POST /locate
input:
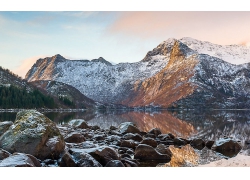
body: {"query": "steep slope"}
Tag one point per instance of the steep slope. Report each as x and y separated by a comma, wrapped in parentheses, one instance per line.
(97, 79)
(176, 73)
(58, 89)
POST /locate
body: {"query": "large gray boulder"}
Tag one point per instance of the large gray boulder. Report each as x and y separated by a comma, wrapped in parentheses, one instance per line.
(20, 160)
(4, 126)
(35, 134)
(78, 123)
(128, 127)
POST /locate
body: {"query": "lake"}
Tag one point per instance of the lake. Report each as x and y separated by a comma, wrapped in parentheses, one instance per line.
(208, 125)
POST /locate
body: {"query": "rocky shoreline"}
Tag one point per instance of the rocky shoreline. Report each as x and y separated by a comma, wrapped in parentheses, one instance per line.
(33, 140)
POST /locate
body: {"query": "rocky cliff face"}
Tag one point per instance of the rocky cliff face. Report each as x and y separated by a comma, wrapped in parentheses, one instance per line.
(176, 73)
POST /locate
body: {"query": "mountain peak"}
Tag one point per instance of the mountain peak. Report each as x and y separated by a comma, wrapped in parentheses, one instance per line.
(102, 60)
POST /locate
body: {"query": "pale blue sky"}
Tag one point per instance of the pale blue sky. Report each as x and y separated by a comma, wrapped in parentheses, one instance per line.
(115, 36)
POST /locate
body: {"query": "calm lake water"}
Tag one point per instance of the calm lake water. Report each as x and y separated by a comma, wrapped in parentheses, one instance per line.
(210, 125)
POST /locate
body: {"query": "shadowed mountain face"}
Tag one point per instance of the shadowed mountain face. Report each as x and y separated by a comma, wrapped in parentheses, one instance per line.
(58, 89)
(177, 73)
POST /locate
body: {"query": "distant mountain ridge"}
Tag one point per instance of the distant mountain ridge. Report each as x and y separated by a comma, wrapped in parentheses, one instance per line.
(184, 73)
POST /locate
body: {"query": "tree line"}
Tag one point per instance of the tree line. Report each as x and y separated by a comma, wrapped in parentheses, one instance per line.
(13, 97)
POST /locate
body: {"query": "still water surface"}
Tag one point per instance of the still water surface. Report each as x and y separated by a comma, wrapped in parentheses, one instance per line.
(210, 125)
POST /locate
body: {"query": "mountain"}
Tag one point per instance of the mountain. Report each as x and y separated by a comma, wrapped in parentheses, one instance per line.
(59, 89)
(16, 92)
(184, 73)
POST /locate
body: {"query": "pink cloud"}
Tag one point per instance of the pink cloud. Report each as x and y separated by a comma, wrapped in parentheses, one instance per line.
(216, 27)
(26, 65)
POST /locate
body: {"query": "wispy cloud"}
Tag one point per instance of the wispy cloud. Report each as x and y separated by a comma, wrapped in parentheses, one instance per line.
(26, 64)
(217, 27)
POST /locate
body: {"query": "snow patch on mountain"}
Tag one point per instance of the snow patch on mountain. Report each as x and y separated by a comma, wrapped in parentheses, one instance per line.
(234, 54)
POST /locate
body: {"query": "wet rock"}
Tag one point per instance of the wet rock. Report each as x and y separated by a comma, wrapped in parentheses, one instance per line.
(149, 141)
(135, 137)
(129, 162)
(68, 160)
(74, 137)
(83, 159)
(95, 127)
(121, 152)
(167, 142)
(114, 163)
(129, 144)
(197, 144)
(99, 137)
(88, 144)
(163, 150)
(112, 128)
(113, 132)
(128, 127)
(146, 152)
(209, 144)
(150, 135)
(35, 134)
(20, 160)
(4, 126)
(4, 154)
(179, 142)
(143, 133)
(226, 144)
(102, 154)
(164, 137)
(125, 155)
(155, 131)
(114, 138)
(130, 151)
(78, 123)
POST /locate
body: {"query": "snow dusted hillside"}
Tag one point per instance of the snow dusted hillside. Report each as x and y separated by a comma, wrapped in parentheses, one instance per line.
(234, 54)
(184, 72)
(97, 79)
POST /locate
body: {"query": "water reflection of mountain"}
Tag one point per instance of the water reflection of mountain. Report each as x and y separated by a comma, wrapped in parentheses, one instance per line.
(216, 124)
(146, 121)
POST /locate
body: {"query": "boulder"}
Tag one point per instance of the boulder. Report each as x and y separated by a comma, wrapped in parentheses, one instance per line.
(209, 144)
(164, 137)
(20, 160)
(114, 163)
(164, 150)
(74, 137)
(78, 123)
(179, 142)
(102, 154)
(150, 135)
(129, 143)
(4, 154)
(197, 144)
(135, 137)
(95, 127)
(155, 131)
(146, 152)
(129, 162)
(226, 144)
(67, 160)
(112, 128)
(4, 126)
(83, 159)
(149, 141)
(35, 134)
(128, 127)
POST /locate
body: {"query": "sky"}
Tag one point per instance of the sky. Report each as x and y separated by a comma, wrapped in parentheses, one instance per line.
(117, 36)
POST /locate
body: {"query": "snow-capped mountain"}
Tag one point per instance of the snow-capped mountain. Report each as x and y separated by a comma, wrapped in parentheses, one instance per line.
(183, 73)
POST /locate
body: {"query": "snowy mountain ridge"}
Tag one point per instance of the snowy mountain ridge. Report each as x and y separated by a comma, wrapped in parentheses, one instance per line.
(185, 70)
